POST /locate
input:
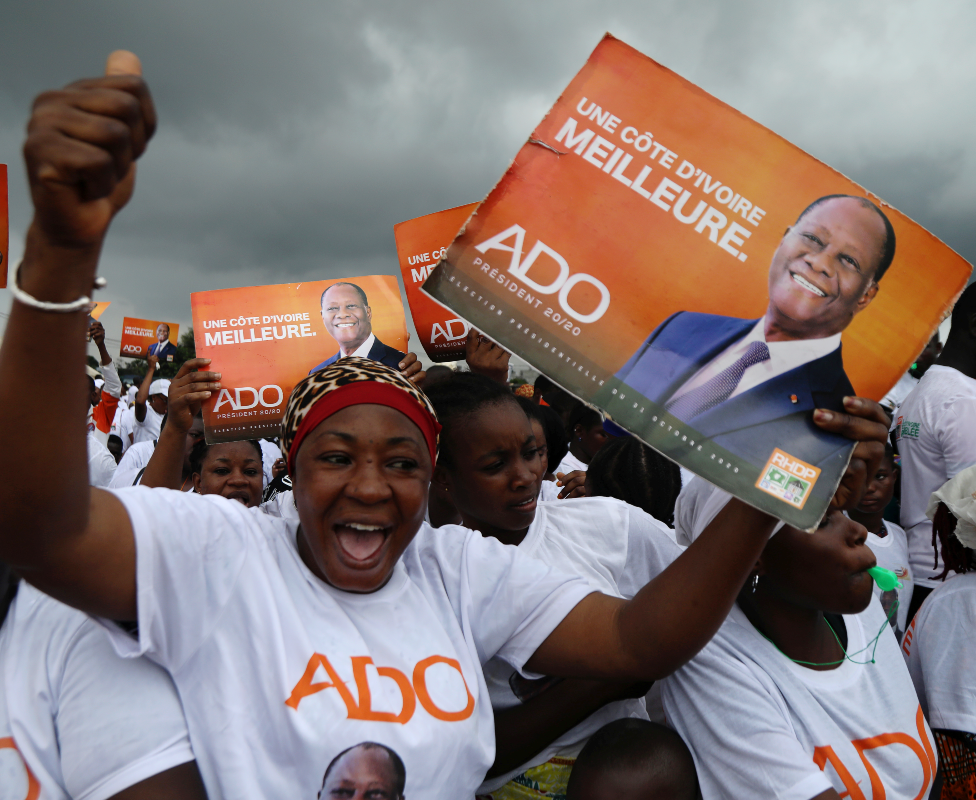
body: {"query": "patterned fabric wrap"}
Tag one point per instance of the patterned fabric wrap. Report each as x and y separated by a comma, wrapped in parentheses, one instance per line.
(345, 371)
(957, 757)
(546, 781)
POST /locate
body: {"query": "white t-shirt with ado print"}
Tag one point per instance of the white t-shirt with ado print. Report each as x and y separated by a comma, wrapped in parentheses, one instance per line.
(891, 552)
(77, 721)
(618, 549)
(759, 725)
(279, 672)
(940, 648)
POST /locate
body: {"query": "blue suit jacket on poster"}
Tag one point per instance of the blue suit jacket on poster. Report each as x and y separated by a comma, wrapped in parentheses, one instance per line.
(163, 353)
(378, 352)
(750, 424)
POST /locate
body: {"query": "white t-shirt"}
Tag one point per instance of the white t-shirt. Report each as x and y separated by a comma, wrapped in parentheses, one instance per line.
(124, 425)
(891, 552)
(936, 432)
(281, 505)
(77, 721)
(270, 452)
(899, 391)
(148, 429)
(940, 649)
(101, 463)
(548, 491)
(570, 463)
(759, 725)
(290, 671)
(618, 549)
(135, 459)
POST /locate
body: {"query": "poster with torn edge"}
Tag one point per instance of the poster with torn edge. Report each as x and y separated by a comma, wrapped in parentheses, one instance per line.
(697, 277)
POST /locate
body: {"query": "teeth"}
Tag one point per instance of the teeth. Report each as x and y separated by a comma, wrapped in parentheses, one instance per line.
(807, 285)
(358, 527)
(345, 324)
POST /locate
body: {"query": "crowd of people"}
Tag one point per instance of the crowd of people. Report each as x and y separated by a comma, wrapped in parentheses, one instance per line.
(440, 584)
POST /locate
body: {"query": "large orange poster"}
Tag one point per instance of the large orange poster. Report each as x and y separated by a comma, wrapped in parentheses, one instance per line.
(264, 339)
(142, 338)
(695, 276)
(421, 243)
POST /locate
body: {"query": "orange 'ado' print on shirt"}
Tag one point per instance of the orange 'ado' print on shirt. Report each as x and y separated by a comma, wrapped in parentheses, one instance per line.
(825, 754)
(411, 691)
(33, 787)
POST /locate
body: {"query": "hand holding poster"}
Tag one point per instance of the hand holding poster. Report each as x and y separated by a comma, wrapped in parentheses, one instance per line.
(421, 243)
(264, 339)
(142, 338)
(688, 271)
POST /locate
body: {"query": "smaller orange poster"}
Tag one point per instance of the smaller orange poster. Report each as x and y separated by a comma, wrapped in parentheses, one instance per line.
(97, 309)
(264, 339)
(4, 227)
(421, 243)
(142, 338)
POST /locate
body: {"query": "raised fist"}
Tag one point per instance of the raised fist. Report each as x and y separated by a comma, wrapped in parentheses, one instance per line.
(82, 143)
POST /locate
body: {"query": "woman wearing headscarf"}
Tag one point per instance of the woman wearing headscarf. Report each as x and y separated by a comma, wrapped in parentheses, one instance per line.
(289, 640)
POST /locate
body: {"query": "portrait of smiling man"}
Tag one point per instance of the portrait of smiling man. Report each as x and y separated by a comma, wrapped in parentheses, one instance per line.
(163, 348)
(751, 385)
(349, 320)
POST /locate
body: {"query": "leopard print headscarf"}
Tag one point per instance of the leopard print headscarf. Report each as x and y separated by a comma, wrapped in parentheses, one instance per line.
(349, 370)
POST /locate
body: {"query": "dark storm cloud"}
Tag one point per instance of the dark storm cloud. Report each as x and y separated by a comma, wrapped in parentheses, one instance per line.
(294, 135)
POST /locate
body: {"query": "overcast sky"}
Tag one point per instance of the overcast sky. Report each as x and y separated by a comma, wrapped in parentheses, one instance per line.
(293, 135)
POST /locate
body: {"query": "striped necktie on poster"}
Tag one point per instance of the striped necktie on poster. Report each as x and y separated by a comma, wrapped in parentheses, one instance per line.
(718, 389)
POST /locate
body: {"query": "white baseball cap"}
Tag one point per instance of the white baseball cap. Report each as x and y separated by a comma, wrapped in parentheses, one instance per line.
(159, 386)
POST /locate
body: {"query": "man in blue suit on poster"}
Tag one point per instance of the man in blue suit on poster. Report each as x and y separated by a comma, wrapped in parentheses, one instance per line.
(751, 385)
(348, 319)
(163, 348)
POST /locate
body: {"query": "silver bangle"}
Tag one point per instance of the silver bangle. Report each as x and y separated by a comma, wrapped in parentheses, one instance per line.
(82, 303)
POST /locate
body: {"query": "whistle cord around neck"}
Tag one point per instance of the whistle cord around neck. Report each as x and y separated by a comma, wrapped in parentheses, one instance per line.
(873, 645)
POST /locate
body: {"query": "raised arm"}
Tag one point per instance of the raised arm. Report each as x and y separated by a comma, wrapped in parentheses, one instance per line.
(674, 616)
(186, 394)
(142, 396)
(71, 541)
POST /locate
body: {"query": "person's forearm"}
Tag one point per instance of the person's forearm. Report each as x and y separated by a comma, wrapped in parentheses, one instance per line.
(165, 468)
(103, 354)
(143, 394)
(35, 511)
(526, 729)
(675, 615)
(113, 383)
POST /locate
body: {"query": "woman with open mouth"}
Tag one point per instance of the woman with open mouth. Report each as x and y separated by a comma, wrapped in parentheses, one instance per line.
(803, 692)
(490, 467)
(291, 640)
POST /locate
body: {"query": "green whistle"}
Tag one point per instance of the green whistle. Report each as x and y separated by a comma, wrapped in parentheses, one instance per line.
(885, 578)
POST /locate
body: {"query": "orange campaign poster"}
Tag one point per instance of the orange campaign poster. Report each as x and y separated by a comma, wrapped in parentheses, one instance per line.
(697, 278)
(142, 338)
(4, 227)
(264, 339)
(421, 243)
(98, 308)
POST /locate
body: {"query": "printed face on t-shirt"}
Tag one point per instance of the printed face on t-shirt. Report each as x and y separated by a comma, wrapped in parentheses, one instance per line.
(824, 570)
(363, 773)
(232, 470)
(361, 479)
(494, 467)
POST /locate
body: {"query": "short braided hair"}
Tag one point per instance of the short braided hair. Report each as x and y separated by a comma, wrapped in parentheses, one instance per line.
(629, 470)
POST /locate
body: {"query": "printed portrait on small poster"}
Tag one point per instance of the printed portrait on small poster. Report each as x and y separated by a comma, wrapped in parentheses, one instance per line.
(142, 338)
(699, 279)
(264, 339)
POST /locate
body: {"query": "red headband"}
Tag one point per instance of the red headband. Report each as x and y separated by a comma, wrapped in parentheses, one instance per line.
(361, 392)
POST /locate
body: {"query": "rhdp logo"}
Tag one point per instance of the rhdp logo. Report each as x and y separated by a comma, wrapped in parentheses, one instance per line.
(788, 478)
